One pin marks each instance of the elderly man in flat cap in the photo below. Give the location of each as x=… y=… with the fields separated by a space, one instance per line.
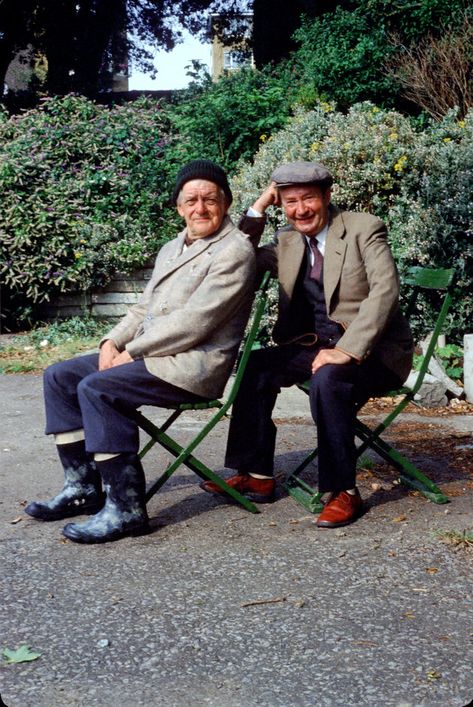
x=177 y=345
x=339 y=325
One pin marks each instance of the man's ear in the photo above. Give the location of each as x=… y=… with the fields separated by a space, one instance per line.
x=277 y=195
x=327 y=196
x=180 y=210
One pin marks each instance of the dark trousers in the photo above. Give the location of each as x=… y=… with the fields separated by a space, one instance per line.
x=77 y=395
x=336 y=392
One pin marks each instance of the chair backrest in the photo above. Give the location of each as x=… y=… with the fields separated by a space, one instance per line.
x=440 y=279
x=250 y=337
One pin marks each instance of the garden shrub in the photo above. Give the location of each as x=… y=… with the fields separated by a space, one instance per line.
x=225 y=120
x=420 y=182
x=340 y=58
x=431 y=221
x=83 y=192
x=364 y=149
x=85 y=188
x=342 y=54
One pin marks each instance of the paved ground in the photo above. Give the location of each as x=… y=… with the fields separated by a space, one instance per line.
x=379 y=613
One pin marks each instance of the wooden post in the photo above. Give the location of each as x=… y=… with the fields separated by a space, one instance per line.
x=468 y=366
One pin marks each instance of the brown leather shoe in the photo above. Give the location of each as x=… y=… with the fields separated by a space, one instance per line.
x=256 y=490
x=342 y=509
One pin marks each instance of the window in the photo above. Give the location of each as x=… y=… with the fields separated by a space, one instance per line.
x=235 y=59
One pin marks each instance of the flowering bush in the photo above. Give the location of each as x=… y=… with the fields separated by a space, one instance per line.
x=419 y=181
x=85 y=188
x=83 y=191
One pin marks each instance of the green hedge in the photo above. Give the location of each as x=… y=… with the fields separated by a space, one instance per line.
x=342 y=54
x=85 y=188
x=226 y=120
x=83 y=192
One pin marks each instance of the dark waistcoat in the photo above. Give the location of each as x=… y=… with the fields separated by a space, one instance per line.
x=328 y=332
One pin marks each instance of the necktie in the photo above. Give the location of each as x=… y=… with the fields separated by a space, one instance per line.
x=316 y=269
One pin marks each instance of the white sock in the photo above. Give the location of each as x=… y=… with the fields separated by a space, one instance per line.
x=260 y=476
x=99 y=457
x=69 y=437
x=328 y=495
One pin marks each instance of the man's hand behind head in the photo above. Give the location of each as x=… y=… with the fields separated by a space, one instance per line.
x=270 y=197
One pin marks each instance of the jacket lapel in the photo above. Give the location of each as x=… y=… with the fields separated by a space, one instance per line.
x=335 y=248
x=291 y=253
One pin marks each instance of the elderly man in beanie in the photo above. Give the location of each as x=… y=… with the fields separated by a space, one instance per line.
x=177 y=345
x=339 y=325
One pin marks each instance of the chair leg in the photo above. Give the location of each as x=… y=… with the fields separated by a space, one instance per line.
x=308 y=496
x=151 y=442
x=300 y=490
x=408 y=473
x=183 y=456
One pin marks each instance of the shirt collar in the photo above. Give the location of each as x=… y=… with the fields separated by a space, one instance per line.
x=321 y=239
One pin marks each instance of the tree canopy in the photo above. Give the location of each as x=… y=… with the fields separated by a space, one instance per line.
x=275 y=21
x=351 y=55
x=84 y=41
x=341 y=50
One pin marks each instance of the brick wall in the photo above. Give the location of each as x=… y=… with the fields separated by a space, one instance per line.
x=106 y=303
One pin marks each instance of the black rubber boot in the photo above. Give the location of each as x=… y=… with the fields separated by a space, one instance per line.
x=124 y=512
x=82 y=491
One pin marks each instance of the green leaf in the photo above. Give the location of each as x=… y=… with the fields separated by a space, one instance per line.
x=23 y=654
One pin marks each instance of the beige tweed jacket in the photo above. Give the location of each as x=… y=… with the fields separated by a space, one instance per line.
x=189 y=322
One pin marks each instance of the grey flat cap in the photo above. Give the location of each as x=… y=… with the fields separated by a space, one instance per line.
x=294 y=173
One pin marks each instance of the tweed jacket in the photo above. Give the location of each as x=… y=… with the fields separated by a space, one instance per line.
x=191 y=317
x=361 y=286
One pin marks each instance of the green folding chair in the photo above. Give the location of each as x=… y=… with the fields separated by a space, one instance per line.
x=183 y=455
x=417 y=280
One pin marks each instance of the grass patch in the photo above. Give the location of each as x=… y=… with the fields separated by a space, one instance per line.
x=34 y=351
x=459 y=539
x=365 y=463
x=17 y=360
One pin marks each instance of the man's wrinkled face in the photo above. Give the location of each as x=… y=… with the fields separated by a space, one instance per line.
x=203 y=206
x=306 y=207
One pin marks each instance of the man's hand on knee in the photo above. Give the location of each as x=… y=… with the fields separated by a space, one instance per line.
x=108 y=353
x=123 y=357
x=329 y=356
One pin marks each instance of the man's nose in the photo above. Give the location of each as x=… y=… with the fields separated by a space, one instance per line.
x=201 y=206
x=301 y=209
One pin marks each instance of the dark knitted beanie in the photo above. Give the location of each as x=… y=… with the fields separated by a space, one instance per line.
x=202 y=169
